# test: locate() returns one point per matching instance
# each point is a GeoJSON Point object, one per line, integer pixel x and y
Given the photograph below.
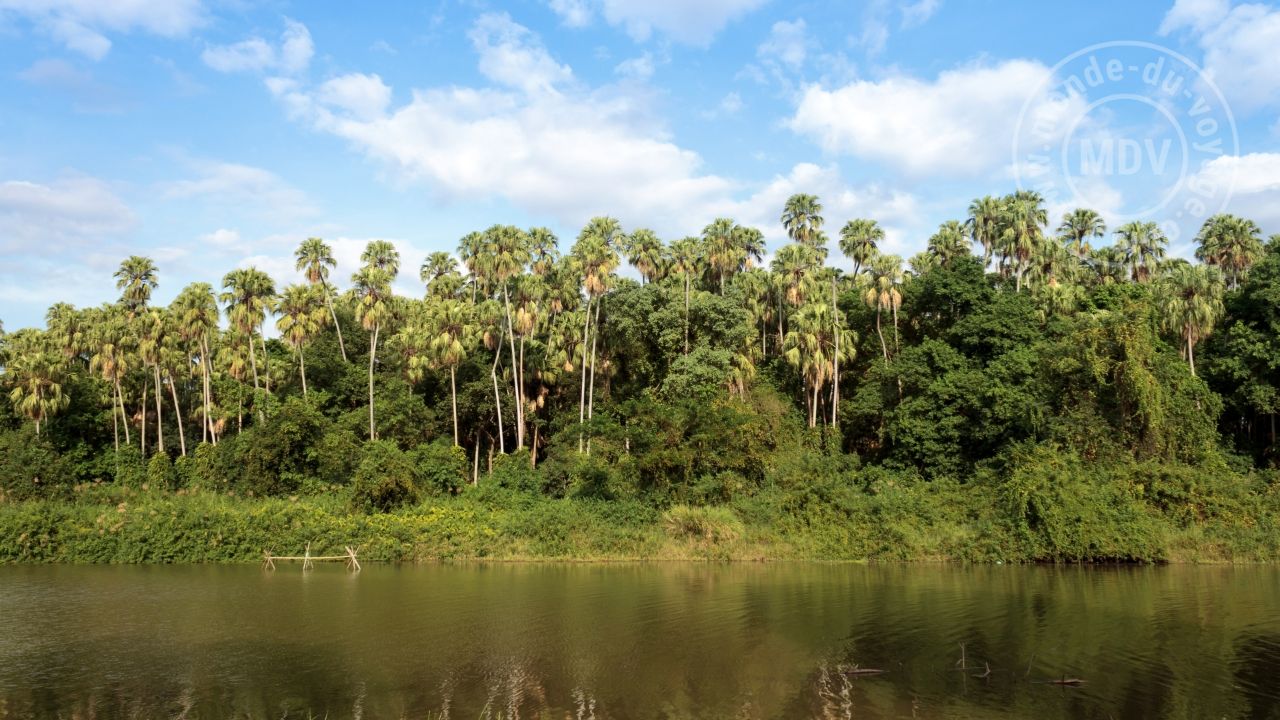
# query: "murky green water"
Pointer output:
{"type": "Point", "coordinates": [639, 641]}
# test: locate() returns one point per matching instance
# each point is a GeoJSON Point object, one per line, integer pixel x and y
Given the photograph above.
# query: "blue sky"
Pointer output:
{"type": "Point", "coordinates": [210, 134]}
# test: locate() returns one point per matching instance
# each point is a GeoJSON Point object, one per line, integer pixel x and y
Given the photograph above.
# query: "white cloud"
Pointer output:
{"type": "Point", "coordinates": [962, 123]}
{"type": "Point", "coordinates": [36, 218]}
{"type": "Point", "coordinates": [1239, 48]}
{"type": "Point", "coordinates": [292, 56]}
{"type": "Point", "coordinates": [1198, 15]}
{"type": "Point", "coordinates": [538, 139]}
{"type": "Point", "coordinates": [787, 43]}
{"type": "Point", "coordinates": [638, 68]}
{"type": "Point", "coordinates": [513, 56]}
{"type": "Point", "coordinates": [690, 23]}
{"type": "Point", "coordinates": [919, 12]}
{"type": "Point", "coordinates": [222, 238]}
{"type": "Point", "coordinates": [86, 93]}
{"type": "Point", "coordinates": [363, 96]}
{"type": "Point", "coordinates": [1256, 179]}
{"type": "Point", "coordinates": [81, 25]}
{"type": "Point", "coordinates": [877, 15]}
{"type": "Point", "coordinates": [238, 187]}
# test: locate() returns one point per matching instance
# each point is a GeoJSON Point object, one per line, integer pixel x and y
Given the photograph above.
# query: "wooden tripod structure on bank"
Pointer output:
{"type": "Point", "coordinates": [308, 560]}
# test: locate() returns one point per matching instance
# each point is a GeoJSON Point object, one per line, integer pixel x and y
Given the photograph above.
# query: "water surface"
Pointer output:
{"type": "Point", "coordinates": [639, 641]}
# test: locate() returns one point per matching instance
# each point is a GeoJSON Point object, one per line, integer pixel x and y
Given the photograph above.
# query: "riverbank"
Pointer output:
{"type": "Point", "coordinates": [1166, 518]}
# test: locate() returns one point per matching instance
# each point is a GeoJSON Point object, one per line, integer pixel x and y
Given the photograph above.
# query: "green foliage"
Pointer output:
{"type": "Point", "coordinates": [384, 479]}
{"type": "Point", "coordinates": [440, 468]}
{"type": "Point", "coordinates": [30, 467]}
{"type": "Point", "coordinates": [161, 474]}
{"type": "Point", "coordinates": [713, 525]}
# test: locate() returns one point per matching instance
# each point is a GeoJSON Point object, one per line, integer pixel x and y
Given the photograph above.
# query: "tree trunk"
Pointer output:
{"type": "Point", "coordinates": [883, 347]}
{"type": "Point", "coordinates": [591, 392]}
{"type": "Point", "coordinates": [686, 313]}
{"type": "Point", "coordinates": [497, 398]}
{"type": "Point", "coordinates": [475, 466]}
{"type": "Point", "coordinates": [373, 354]}
{"type": "Point", "coordinates": [159, 415]}
{"type": "Point", "coordinates": [302, 370]}
{"type": "Point", "coordinates": [143, 437]}
{"type": "Point", "coordinates": [115, 426]}
{"type": "Point", "coordinates": [582, 393]}
{"type": "Point", "coordinates": [123, 417]}
{"type": "Point", "coordinates": [533, 449]}
{"type": "Point", "coordinates": [453, 392]}
{"type": "Point", "coordinates": [177, 413]}
{"type": "Point", "coordinates": [266, 361]}
{"type": "Point", "coordinates": [515, 373]}
{"type": "Point", "coordinates": [897, 346]}
{"type": "Point", "coordinates": [328, 299]}
{"type": "Point", "coordinates": [1191, 357]}
{"type": "Point", "coordinates": [208, 390]}
{"type": "Point", "coordinates": [835, 360]}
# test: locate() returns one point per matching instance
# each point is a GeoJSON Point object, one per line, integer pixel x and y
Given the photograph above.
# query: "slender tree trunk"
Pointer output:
{"type": "Point", "coordinates": [582, 393]}
{"type": "Point", "coordinates": [253, 363]}
{"type": "Point", "coordinates": [515, 373]}
{"type": "Point", "coordinates": [177, 413]}
{"type": "Point", "coordinates": [328, 300]}
{"type": "Point", "coordinates": [591, 392]}
{"type": "Point", "coordinates": [533, 449]}
{"type": "Point", "coordinates": [453, 393]}
{"type": "Point", "coordinates": [813, 406]}
{"type": "Point", "coordinates": [302, 370]}
{"type": "Point", "coordinates": [143, 437]}
{"type": "Point", "coordinates": [497, 397]}
{"type": "Point", "coordinates": [208, 389]}
{"type": "Point", "coordinates": [115, 426]}
{"type": "Point", "coordinates": [835, 360]}
{"type": "Point", "coordinates": [686, 313]}
{"type": "Point", "coordinates": [897, 346]}
{"type": "Point", "coordinates": [266, 361]}
{"type": "Point", "coordinates": [475, 464]}
{"type": "Point", "coordinates": [37, 428]}
{"type": "Point", "coordinates": [159, 406]}
{"type": "Point", "coordinates": [883, 347]}
{"type": "Point", "coordinates": [373, 354]}
{"type": "Point", "coordinates": [1191, 357]}
{"type": "Point", "coordinates": [124, 418]}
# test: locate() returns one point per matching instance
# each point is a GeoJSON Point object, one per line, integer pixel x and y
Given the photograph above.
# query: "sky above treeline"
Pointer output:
{"type": "Point", "coordinates": [211, 134]}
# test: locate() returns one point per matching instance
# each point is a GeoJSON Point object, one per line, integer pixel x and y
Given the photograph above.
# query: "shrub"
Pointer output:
{"type": "Point", "coordinates": [384, 480]}
{"type": "Point", "coordinates": [30, 467]}
{"type": "Point", "coordinates": [708, 524]}
{"type": "Point", "coordinates": [440, 468]}
{"type": "Point", "coordinates": [160, 472]}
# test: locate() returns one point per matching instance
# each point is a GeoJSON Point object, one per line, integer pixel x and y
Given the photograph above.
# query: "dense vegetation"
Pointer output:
{"type": "Point", "coordinates": [1044, 399]}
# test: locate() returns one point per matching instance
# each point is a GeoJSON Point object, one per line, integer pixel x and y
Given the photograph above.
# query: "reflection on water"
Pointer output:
{"type": "Point", "coordinates": [639, 641]}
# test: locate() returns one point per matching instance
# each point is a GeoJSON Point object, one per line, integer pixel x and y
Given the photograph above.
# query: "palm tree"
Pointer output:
{"type": "Point", "coordinates": [813, 347]}
{"type": "Point", "coordinates": [723, 253]}
{"type": "Point", "coordinates": [795, 265]}
{"type": "Point", "coordinates": [859, 241]}
{"type": "Point", "coordinates": [1231, 243]}
{"type": "Point", "coordinates": [882, 293]}
{"type": "Point", "coordinates": [686, 261]}
{"type": "Point", "coordinates": [150, 348]}
{"type": "Point", "coordinates": [439, 272]}
{"type": "Point", "coordinates": [1109, 265]}
{"type": "Point", "coordinates": [1143, 245]}
{"type": "Point", "coordinates": [543, 251]}
{"type": "Point", "coordinates": [750, 243]}
{"type": "Point", "coordinates": [596, 257]}
{"type": "Point", "coordinates": [1022, 229]}
{"type": "Point", "coordinates": [645, 252]}
{"type": "Point", "coordinates": [136, 278]}
{"type": "Point", "coordinates": [110, 358]}
{"type": "Point", "coordinates": [452, 330]}
{"type": "Point", "coordinates": [1191, 302]}
{"type": "Point", "coordinates": [301, 315]}
{"type": "Point", "coordinates": [802, 218]}
{"type": "Point", "coordinates": [949, 243]}
{"type": "Point", "coordinates": [196, 310]}
{"type": "Point", "coordinates": [248, 294]}
{"type": "Point", "coordinates": [1078, 226]}
{"type": "Point", "coordinates": [984, 224]}
{"type": "Point", "coordinates": [34, 371]}
{"type": "Point", "coordinates": [315, 260]}
{"type": "Point", "coordinates": [372, 287]}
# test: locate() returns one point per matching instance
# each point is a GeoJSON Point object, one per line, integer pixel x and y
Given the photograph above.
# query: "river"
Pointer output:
{"type": "Point", "coordinates": [639, 641]}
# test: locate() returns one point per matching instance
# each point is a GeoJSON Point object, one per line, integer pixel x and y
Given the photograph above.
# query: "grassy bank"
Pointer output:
{"type": "Point", "coordinates": [1040, 514]}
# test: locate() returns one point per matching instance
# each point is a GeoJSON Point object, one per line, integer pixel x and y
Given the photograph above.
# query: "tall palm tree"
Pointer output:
{"type": "Point", "coordinates": [686, 261]}
{"type": "Point", "coordinates": [802, 218]}
{"type": "Point", "coordinates": [984, 224]}
{"type": "Point", "coordinates": [151, 339]}
{"type": "Point", "coordinates": [136, 278]}
{"type": "Point", "coordinates": [248, 295]}
{"type": "Point", "coordinates": [645, 253]}
{"type": "Point", "coordinates": [796, 265]}
{"type": "Point", "coordinates": [196, 311]}
{"type": "Point", "coordinates": [452, 331]}
{"type": "Point", "coordinates": [371, 285]}
{"type": "Point", "coordinates": [1022, 230]}
{"type": "Point", "coordinates": [301, 315]}
{"type": "Point", "coordinates": [1078, 226]}
{"type": "Point", "coordinates": [34, 373]}
{"type": "Point", "coordinates": [596, 256]}
{"type": "Point", "coordinates": [723, 252]}
{"type": "Point", "coordinates": [1191, 302]}
{"type": "Point", "coordinates": [949, 243]}
{"type": "Point", "coordinates": [881, 293]}
{"type": "Point", "coordinates": [859, 241]}
{"type": "Point", "coordinates": [506, 257]}
{"type": "Point", "coordinates": [111, 358]}
{"type": "Point", "coordinates": [439, 272]}
{"type": "Point", "coordinates": [315, 260]}
{"type": "Point", "coordinates": [1143, 245]}
{"type": "Point", "coordinates": [1231, 243]}
{"type": "Point", "coordinates": [543, 251]}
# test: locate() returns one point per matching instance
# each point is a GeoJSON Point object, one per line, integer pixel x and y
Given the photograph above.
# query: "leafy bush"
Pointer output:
{"type": "Point", "coordinates": [384, 480]}
{"type": "Point", "coordinates": [708, 524]}
{"type": "Point", "coordinates": [441, 468]}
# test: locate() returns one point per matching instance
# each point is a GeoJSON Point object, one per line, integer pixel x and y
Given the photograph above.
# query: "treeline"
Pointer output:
{"type": "Point", "coordinates": [704, 379]}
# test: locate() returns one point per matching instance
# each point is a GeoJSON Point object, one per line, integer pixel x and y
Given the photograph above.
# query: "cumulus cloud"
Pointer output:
{"type": "Point", "coordinates": [83, 25]}
{"type": "Point", "coordinates": [787, 44]}
{"type": "Point", "coordinates": [511, 55]}
{"type": "Point", "coordinates": [690, 23]}
{"type": "Point", "coordinates": [37, 218]}
{"type": "Point", "coordinates": [961, 123]}
{"type": "Point", "coordinates": [361, 96]}
{"type": "Point", "coordinates": [1239, 47]}
{"type": "Point", "coordinates": [290, 56]}
{"type": "Point", "coordinates": [240, 187]}
{"type": "Point", "coordinates": [1255, 179]}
